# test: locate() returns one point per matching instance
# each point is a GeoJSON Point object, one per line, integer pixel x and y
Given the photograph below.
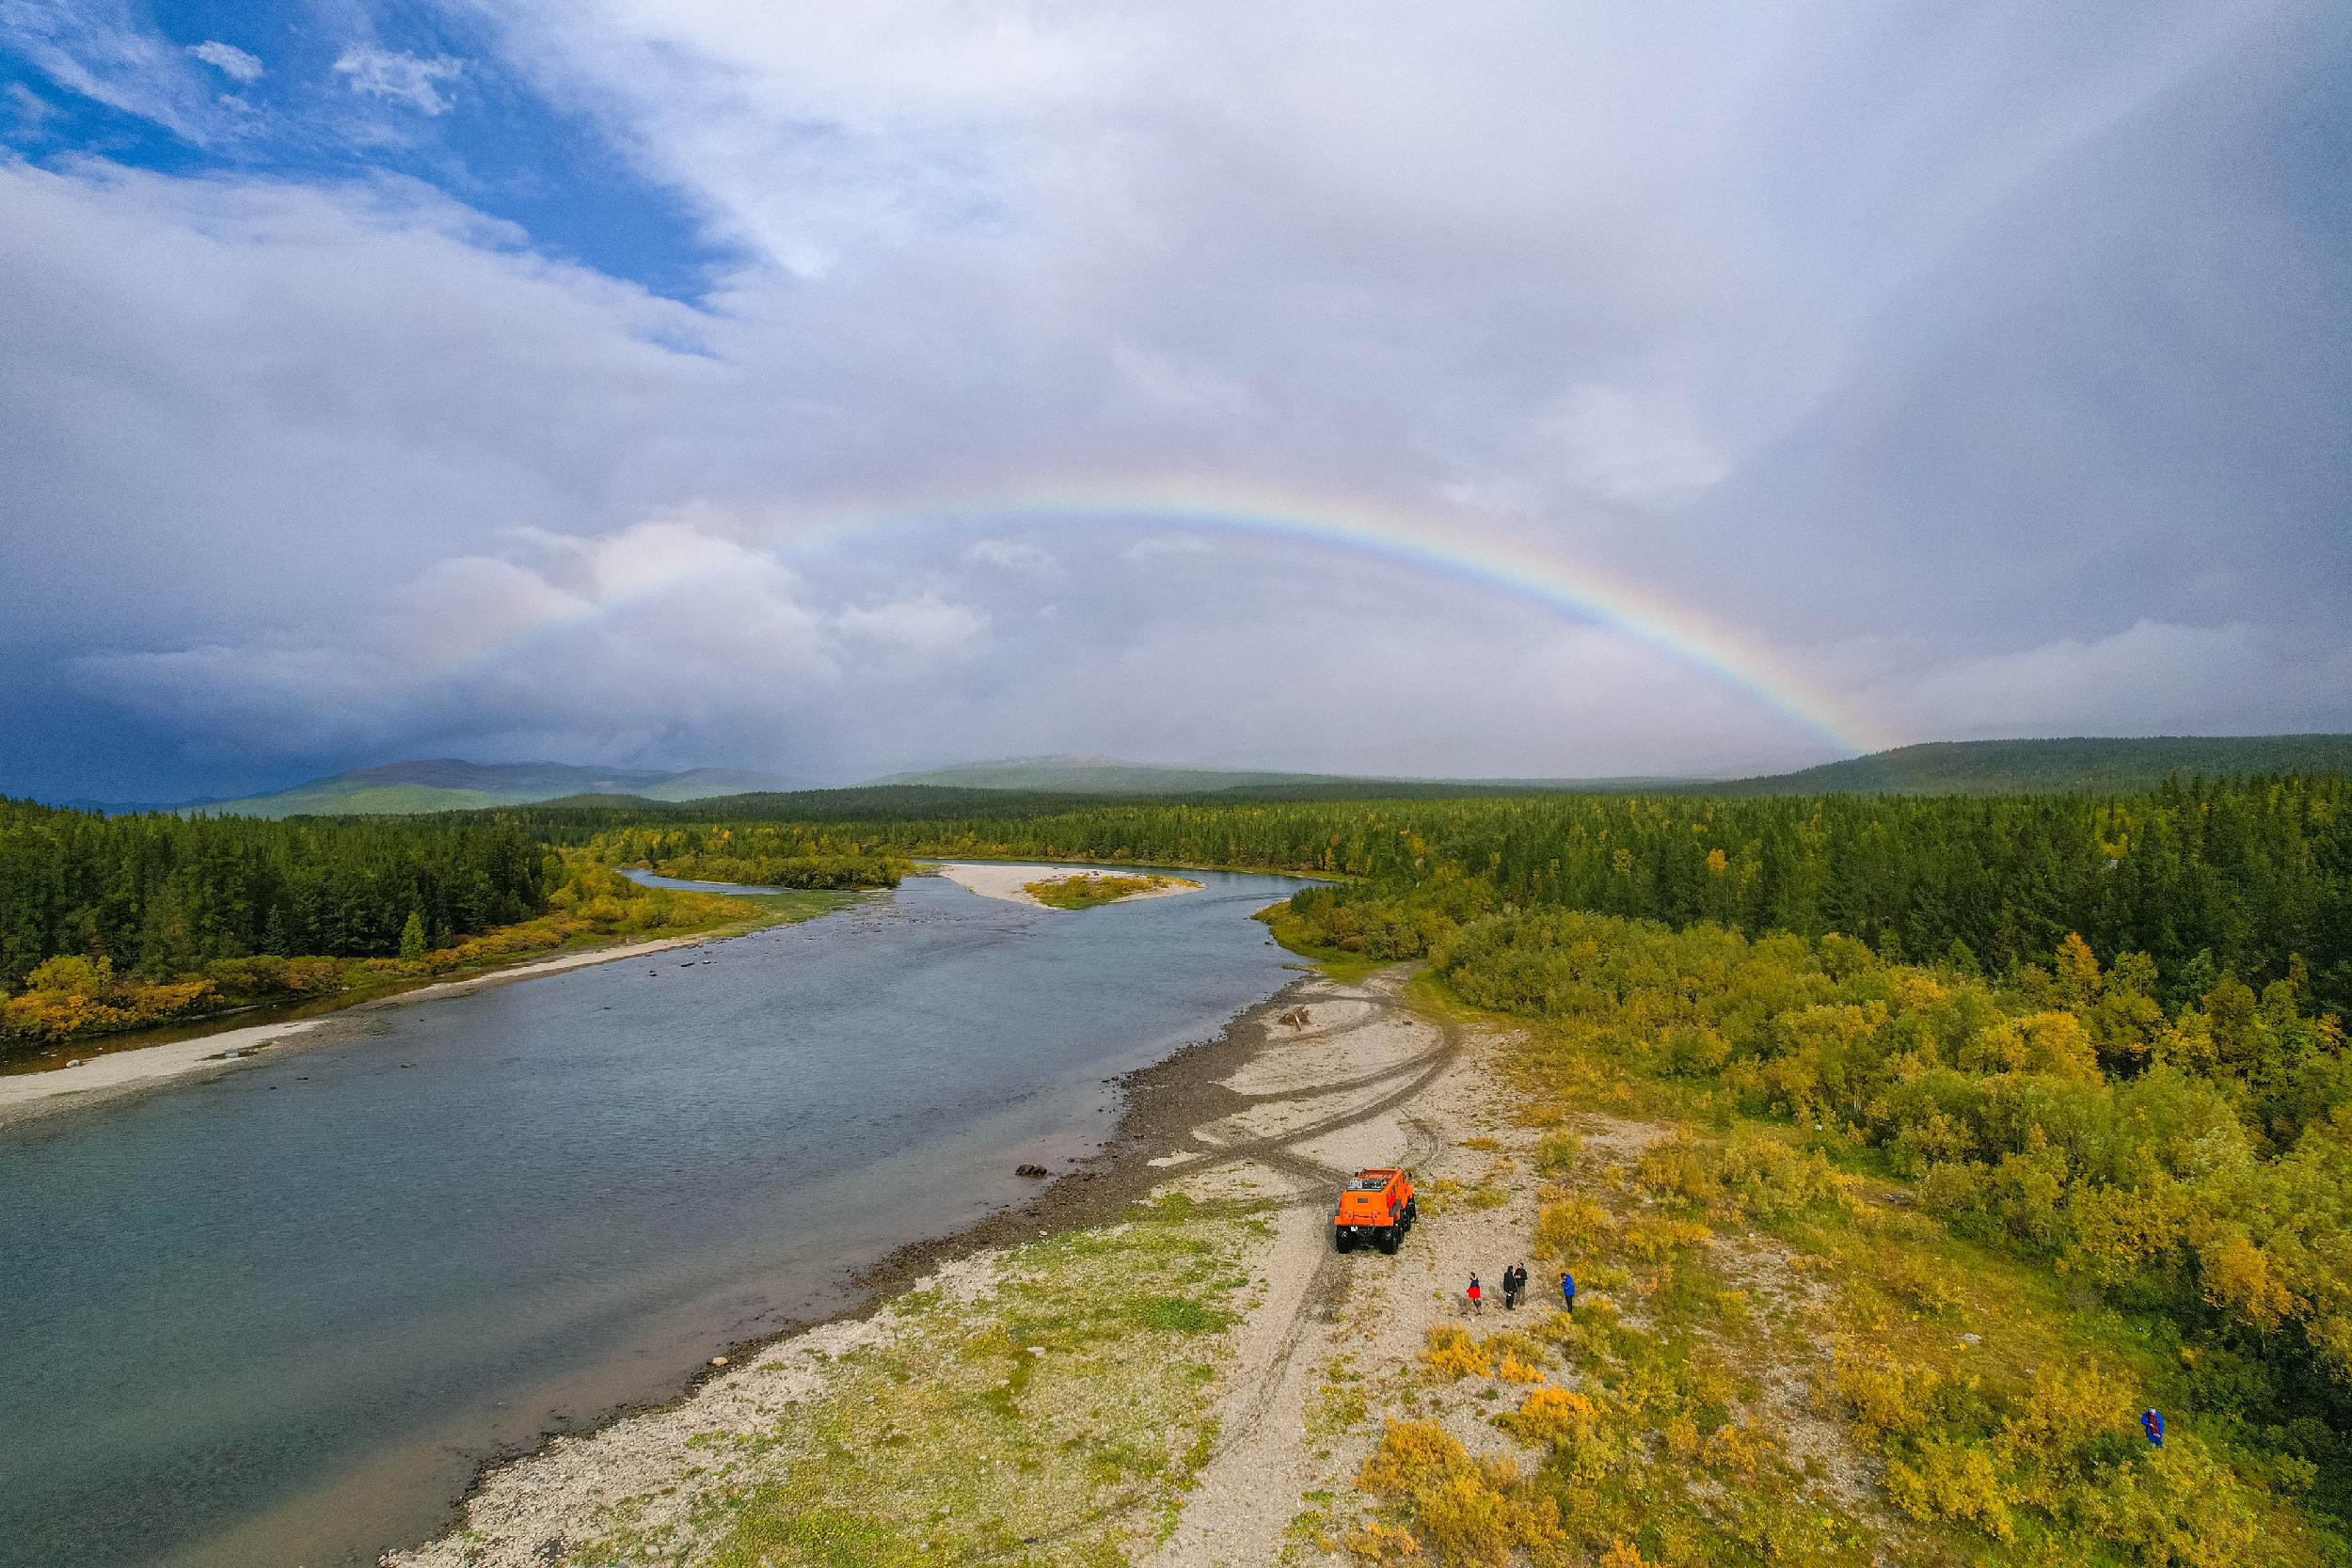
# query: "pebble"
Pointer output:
{"type": "Point", "coordinates": [718, 1361]}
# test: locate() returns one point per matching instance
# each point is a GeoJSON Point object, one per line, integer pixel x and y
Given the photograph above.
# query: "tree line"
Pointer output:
{"type": "Point", "coordinates": [2243, 879]}
{"type": "Point", "coordinates": [160, 896]}
{"type": "Point", "coordinates": [2207, 878]}
{"type": "Point", "coordinates": [757, 855]}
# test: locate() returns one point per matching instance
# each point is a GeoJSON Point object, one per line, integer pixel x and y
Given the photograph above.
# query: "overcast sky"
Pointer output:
{"type": "Point", "coordinates": [679, 383]}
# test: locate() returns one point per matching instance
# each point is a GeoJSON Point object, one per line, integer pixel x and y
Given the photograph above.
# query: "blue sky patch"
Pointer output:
{"type": "Point", "coordinates": [323, 93]}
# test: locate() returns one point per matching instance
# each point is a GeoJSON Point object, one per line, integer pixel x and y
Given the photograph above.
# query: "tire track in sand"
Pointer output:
{"type": "Point", "coordinates": [1240, 1508]}
{"type": "Point", "coordinates": [1249, 1490]}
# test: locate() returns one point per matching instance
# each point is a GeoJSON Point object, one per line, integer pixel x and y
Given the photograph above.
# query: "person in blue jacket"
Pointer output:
{"type": "Point", "coordinates": [2152, 1422]}
{"type": "Point", "coordinates": [1567, 1290]}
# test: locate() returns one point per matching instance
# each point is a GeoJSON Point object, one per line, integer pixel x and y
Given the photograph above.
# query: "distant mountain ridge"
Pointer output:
{"type": "Point", "coordinates": [448, 784]}
{"type": "Point", "coordinates": [1097, 775]}
{"type": "Point", "coordinates": [2077, 765]}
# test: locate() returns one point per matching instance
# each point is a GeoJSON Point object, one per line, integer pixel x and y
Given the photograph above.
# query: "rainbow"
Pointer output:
{"type": "Point", "coordinates": [1460, 550]}
{"type": "Point", "coordinates": [1466, 550]}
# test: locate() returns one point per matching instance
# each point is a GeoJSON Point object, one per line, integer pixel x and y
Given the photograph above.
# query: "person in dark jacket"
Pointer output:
{"type": "Point", "coordinates": [1510, 1287]}
{"type": "Point", "coordinates": [1567, 1290]}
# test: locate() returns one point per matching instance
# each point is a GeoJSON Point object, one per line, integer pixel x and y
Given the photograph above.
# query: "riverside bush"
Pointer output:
{"type": "Point", "coordinates": [2081, 1231]}
{"type": "Point", "coordinates": [73, 997]}
{"type": "Point", "coordinates": [76, 997]}
{"type": "Point", "coordinates": [2174, 1182]}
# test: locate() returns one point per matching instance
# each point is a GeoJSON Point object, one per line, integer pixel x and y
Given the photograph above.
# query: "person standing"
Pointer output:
{"type": "Point", "coordinates": [2152, 1422]}
{"type": "Point", "coordinates": [1568, 1291]}
{"type": "Point", "coordinates": [1476, 1305]}
{"type": "Point", "coordinates": [1513, 1286]}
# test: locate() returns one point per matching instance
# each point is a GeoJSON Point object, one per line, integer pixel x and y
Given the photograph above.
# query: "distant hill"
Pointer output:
{"type": "Point", "coordinates": [2077, 765]}
{"type": "Point", "coordinates": [132, 808]}
{"type": "Point", "coordinates": [1086, 775]}
{"type": "Point", "coordinates": [702, 783]}
{"type": "Point", "coordinates": [406, 789]}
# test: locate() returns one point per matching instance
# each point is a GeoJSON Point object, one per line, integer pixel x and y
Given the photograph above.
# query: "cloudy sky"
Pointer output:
{"type": "Point", "coordinates": [1499, 387]}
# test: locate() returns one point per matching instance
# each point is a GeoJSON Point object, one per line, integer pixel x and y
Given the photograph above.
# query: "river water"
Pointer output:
{"type": "Point", "coordinates": [278, 1319]}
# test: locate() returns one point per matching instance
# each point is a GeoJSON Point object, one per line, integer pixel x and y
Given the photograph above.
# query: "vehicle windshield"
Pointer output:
{"type": "Point", "coordinates": [1371, 1183]}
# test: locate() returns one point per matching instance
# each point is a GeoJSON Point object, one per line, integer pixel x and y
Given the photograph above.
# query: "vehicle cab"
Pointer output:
{"type": "Point", "coordinates": [1376, 1205]}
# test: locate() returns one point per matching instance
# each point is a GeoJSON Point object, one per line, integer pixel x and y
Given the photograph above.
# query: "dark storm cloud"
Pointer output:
{"type": "Point", "coordinates": [1988, 368]}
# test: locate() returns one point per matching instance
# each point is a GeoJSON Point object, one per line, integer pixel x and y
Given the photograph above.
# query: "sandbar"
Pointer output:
{"type": "Point", "coordinates": [1010, 882]}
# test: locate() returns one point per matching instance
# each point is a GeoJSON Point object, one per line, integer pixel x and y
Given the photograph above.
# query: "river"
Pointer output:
{"type": "Point", "coordinates": [278, 1318]}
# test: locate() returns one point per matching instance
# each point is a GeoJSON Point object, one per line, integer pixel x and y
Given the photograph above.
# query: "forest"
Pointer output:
{"type": "Point", "coordinates": [112, 923]}
{"type": "Point", "coordinates": [2207, 878]}
{"type": "Point", "coordinates": [760, 855]}
{"type": "Point", "coordinates": [2247, 879]}
{"type": "Point", "coordinates": [162, 895]}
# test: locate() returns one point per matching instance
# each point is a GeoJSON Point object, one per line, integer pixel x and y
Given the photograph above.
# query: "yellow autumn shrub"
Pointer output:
{"type": "Point", "coordinates": [1571, 1228]}
{"type": "Point", "coordinates": [1451, 1353]}
{"type": "Point", "coordinates": [1561, 1417]}
{"type": "Point", "coordinates": [1950, 1483]}
{"type": "Point", "coordinates": [1887, 1398]}
{"type": "Point", "coordinates": [1738, 1447]}
{"type": "Point", "coordinates": [1467, 1509]}
{"type": "Point", "coordinates": [1653, 1238]}
{"type": "Point", "coordinates": [2177, 1507]}
{"type": "Point", "coordinates": [1379, 1543]}
{"type": "Point", "coordinates": [2238, 1277]}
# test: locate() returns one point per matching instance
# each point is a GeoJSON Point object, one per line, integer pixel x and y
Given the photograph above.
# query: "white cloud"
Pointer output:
{"type": "Point", "coordinates": [227, 58]}
{"type": "Point", "coordinates": [107, 49]}
{"type": "Point", "coordinates": [1155, 544]}
{"type": "Point", "coordinates": [1014, 555]}
{"type": "Point", "coordinates": [2152, 677]}
{"type": "Point", "coordinates": [1191, 385]}
{"type": "Point", "coordinates": [1628, 446]}
{"type": "Point", "coordinates": [402, 78]}
{"type": "Point", "coordinates": [657, 629]}
{"type": "Point", "coordinates": [925, 625]}
{"type": "Point", "coordinates": [1557, 265]}
{"type": "Point", "coordinates": [29, 110]}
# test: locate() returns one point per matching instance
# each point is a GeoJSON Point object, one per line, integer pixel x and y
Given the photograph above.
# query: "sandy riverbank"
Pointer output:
{"type": "Point", "coordinates": [111, 1074]}
{"type": "Point", "coordinates": [1010, 882]}
{"type": "Point", "coordinates": [1009, 1403]}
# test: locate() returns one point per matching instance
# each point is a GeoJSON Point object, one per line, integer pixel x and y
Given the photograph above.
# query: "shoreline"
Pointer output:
{"type": "Point", "coordinates": [1165, 1100]}
{"type": "Point", "coordinates": [110, 1076]}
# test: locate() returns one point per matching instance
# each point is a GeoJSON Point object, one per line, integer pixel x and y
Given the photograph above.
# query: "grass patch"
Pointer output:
{"type": "Point", "coordinates": [1022, 1426]}
{"type": "Point", "coordinates": [791, 904]}
{"type": "Point", "coordinates": [1086, 889]}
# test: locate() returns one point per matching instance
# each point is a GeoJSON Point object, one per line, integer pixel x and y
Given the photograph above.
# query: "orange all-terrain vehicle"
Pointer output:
{"type": "Point", "coordinates": [1376, 1206]}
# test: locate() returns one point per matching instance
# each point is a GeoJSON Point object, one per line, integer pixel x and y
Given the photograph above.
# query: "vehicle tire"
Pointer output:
{"type": "Point", "coordinates": [1340, 1242]}
{"type": "Point", "coordinates": [1390, 1238]}
{"type": "Point", "coordinates": [1412, 1209]}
